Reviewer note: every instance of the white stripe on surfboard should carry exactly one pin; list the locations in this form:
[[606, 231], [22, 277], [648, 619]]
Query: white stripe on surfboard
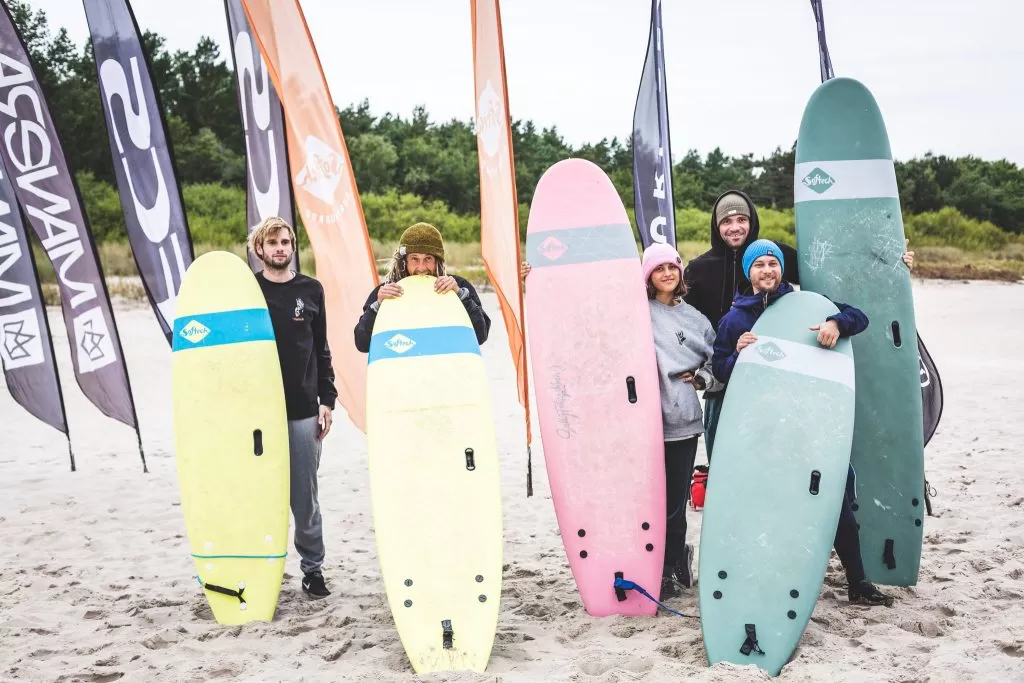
[[815, 181], [811, 361]]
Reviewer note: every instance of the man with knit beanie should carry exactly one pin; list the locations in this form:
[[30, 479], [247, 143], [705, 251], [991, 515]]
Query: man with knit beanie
[[763, 266], [420, 252], [714, 278]]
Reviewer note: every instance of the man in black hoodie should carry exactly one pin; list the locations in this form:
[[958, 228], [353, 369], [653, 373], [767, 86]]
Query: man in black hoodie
[[716, 276]]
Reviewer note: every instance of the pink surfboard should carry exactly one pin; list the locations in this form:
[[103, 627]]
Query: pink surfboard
[[596, 383]]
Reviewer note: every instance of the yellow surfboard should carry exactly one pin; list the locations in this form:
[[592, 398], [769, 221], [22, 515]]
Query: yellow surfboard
[[231, 438], [434, 478]]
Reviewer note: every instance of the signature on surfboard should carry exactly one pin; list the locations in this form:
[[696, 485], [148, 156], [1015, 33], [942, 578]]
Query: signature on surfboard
[[561, 395]]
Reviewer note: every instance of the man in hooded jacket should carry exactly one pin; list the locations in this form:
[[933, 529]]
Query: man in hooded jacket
[[716, 276]]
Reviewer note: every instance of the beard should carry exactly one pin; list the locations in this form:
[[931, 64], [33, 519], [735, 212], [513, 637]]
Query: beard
[[768, 284], [276, 262]]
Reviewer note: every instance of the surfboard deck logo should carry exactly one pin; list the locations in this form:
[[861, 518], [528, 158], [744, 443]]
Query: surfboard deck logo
[[194, 332], [399, 343], [819, 181], [552, 248], [771, 352]]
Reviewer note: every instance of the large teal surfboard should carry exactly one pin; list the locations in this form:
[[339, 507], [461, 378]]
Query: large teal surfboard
[[849, 234], [776, 486]]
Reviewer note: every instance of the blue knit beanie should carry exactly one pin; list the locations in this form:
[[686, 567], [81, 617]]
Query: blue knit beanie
[[760, 248]]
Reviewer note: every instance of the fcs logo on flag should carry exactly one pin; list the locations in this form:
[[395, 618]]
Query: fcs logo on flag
[[194, 332], [21, 343], [399, 344], [771, 352], [819, 181], [492, 118], [323, 171], [93, 345]]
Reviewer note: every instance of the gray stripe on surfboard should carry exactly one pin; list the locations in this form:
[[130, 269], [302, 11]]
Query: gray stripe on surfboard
[[590, 244], [815, 181], [810, 361]]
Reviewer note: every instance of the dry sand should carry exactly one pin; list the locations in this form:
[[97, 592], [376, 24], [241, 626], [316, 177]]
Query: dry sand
[[96, 583]]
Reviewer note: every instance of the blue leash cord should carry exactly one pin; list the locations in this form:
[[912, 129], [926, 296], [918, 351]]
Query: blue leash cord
[[630, 586]]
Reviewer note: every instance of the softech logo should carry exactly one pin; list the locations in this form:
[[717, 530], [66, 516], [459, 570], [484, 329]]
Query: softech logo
[[771, 352], [819, 181], [323, 171], [194, 332], [399, 344], [552, 248]]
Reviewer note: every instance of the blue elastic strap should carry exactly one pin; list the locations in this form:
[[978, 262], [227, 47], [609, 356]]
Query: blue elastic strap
[[630, 586]]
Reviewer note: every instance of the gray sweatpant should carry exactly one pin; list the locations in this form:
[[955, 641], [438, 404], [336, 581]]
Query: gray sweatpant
[[305, 461]]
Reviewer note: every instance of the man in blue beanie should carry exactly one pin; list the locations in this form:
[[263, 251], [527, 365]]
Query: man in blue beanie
[[763, 264], [715, 277]]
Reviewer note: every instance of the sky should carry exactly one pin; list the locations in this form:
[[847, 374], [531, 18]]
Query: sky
[[947, 74]]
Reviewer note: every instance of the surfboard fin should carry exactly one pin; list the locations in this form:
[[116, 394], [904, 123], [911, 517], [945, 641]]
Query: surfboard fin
[[620, 592], [447, 635], [889, 555], [750, 644]]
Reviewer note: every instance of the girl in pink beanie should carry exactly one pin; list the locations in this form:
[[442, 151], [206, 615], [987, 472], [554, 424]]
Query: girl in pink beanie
[[683, 341]]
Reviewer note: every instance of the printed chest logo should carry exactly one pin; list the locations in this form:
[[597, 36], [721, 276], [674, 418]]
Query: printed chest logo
[[300, 306], [681, 336]]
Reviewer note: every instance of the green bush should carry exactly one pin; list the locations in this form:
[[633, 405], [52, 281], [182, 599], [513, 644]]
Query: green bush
[[389, 214], [103, 207], [693, 225], [948, 227], [217, 216], [777, 225]]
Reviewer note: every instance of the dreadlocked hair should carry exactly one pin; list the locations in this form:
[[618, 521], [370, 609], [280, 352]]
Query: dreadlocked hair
[[397, 269]]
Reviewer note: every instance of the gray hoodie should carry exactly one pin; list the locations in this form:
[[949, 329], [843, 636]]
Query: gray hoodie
[[683, 341]]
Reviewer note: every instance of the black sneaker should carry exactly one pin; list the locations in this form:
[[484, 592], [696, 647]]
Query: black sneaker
[[668, 588], [313, 584], [684, 567], [865, 593]]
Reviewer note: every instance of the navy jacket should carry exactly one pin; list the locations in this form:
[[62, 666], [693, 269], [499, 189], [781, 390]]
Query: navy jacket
[[745, 311]]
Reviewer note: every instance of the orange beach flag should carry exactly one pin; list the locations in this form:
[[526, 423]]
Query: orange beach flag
[[499, 222], [325, 188]]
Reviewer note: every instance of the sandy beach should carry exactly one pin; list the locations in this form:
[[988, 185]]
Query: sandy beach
[[96, 582]]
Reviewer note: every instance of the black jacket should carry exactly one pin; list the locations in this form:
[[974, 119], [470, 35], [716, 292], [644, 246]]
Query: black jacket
[[716, 277], [470, 299], [299, 317]]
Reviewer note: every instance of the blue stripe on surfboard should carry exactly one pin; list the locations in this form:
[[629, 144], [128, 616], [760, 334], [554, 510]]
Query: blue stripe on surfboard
[[225, 327], [580, 245], [424, 341]]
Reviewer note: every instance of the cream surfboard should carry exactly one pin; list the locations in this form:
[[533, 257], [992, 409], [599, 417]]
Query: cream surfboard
[[434, 478], [231, 438]]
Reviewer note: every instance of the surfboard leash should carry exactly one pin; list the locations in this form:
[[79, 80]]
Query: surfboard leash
[[626, 585]]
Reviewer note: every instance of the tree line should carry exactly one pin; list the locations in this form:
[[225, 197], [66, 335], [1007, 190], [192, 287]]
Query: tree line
[[408, 166]]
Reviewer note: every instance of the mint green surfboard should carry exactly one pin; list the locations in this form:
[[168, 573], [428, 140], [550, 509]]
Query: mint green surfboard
[[776, 486], [849, 233]]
